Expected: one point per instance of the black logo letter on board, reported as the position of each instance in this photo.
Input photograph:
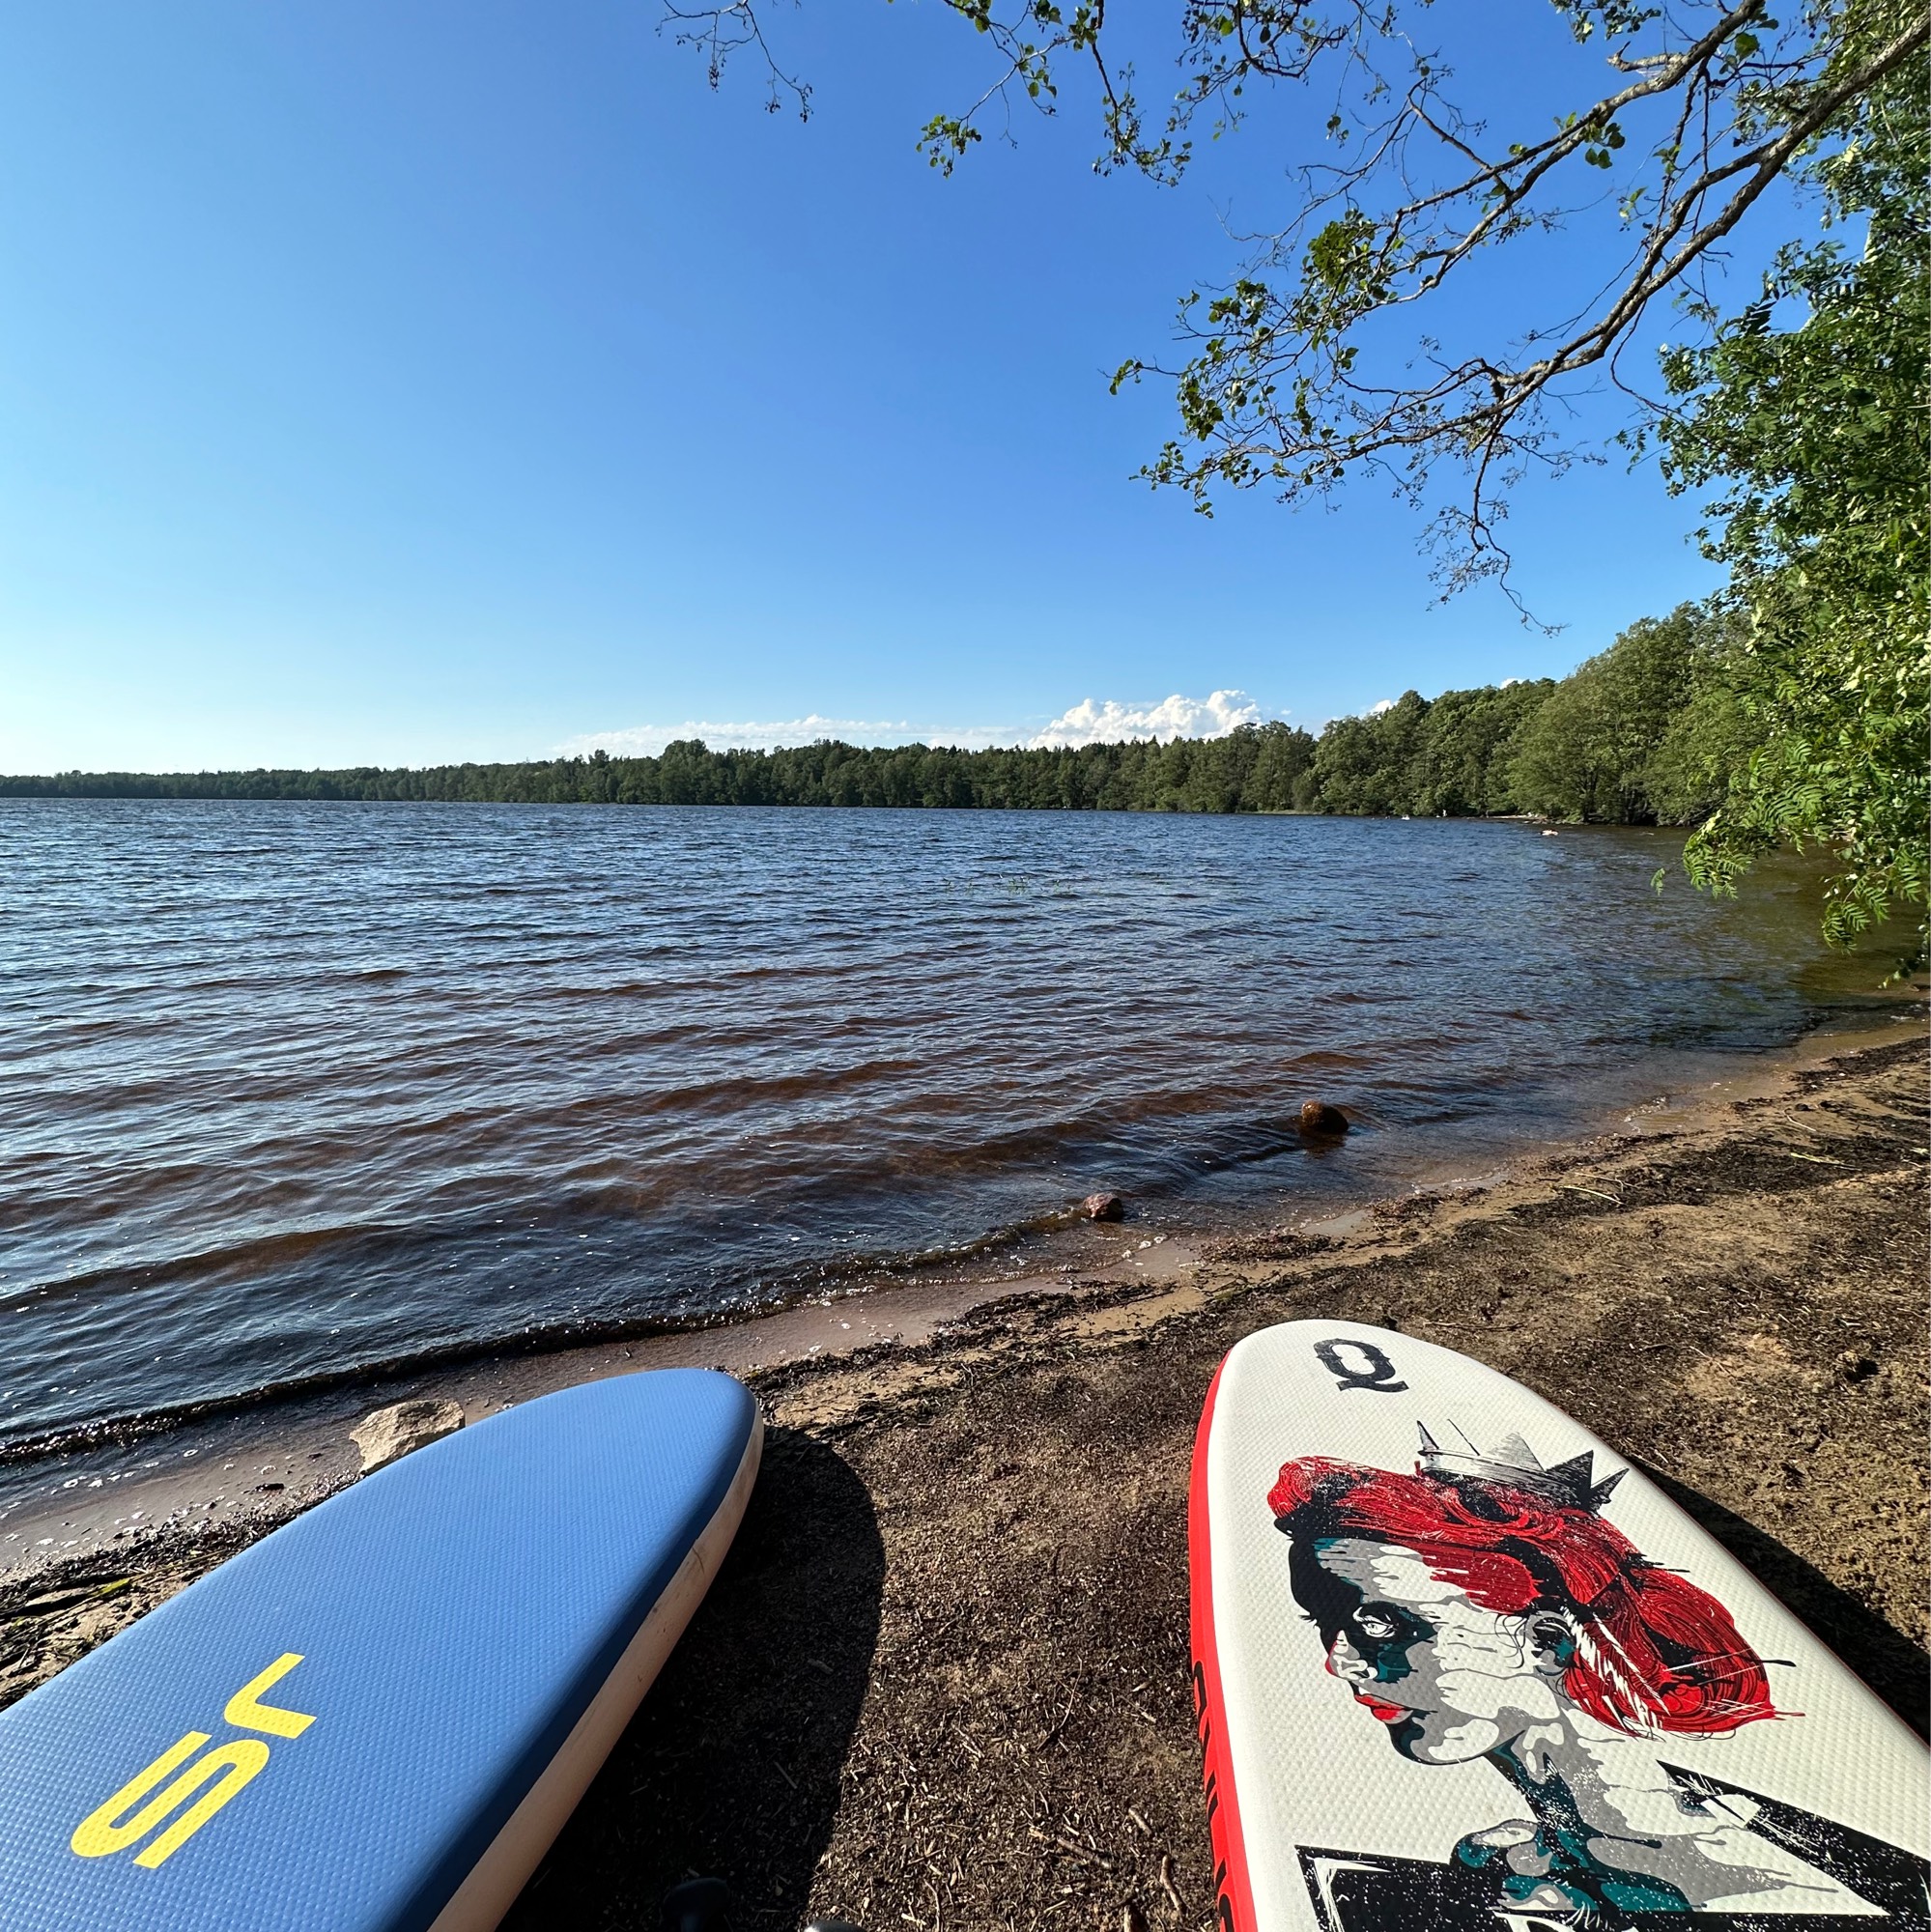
(1375, 1371)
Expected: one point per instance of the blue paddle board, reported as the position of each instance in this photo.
(378, 1718)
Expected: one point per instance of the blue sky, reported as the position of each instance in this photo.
(465, 379)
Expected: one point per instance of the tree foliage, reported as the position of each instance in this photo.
(1315, 361)
(1305, 369)
(1589, 746)
(1643, 732)
(1260, 768)
(1816, 437)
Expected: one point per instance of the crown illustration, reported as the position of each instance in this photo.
(1570, 1484)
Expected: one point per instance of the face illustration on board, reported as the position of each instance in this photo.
(1483, 1607)
(1450, 1680)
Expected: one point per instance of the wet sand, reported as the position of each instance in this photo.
(942, 1678)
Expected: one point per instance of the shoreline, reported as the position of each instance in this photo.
(943, 1677)
(73, 1500)
(605, 1177)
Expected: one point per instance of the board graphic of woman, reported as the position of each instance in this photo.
(1482, 1609)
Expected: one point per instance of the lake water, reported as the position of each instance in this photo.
(294, 1090)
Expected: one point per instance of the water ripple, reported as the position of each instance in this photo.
(292, 1089)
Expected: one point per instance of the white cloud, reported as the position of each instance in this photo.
(1106, 723)
(646, 741)
(1090, 721)
(1376, 710)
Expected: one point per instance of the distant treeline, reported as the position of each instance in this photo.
(1642, 733)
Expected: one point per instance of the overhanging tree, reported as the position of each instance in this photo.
(1307, 368)
(1817, 437)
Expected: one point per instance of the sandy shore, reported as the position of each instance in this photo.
(942, 1678)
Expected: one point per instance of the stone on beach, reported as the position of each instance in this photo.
(393, 1432)
(1319, 1118)
(1103, 1206)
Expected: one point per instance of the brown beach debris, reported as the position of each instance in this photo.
(393, 1432)
(54, 1602)
(1103, 1206)
(1576, 1187)
(1168, 1885)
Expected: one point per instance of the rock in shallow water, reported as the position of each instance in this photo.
(1319, 1118)
(403, 1426)
(1103, 1208)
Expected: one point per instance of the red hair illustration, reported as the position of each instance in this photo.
(1651, 1652)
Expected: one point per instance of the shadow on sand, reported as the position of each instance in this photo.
(731, 1767)
(1887, 1660)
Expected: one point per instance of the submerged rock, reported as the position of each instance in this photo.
(1319, 1118)
(403, 1426)
(1103, 1208)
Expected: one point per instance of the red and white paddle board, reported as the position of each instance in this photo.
(1459, 1666)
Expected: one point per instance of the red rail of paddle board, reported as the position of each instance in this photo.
(1235, 1893)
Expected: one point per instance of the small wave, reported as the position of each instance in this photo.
(619, 1061)
(770, 1295)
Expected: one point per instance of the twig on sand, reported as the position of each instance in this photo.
(1061, 1725)
(1576, 1187)
(1071, 1850)
(1167, 1882)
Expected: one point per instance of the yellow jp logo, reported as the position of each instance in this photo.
(216, 1778)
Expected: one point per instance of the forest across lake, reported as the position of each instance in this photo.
(1644, 733)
